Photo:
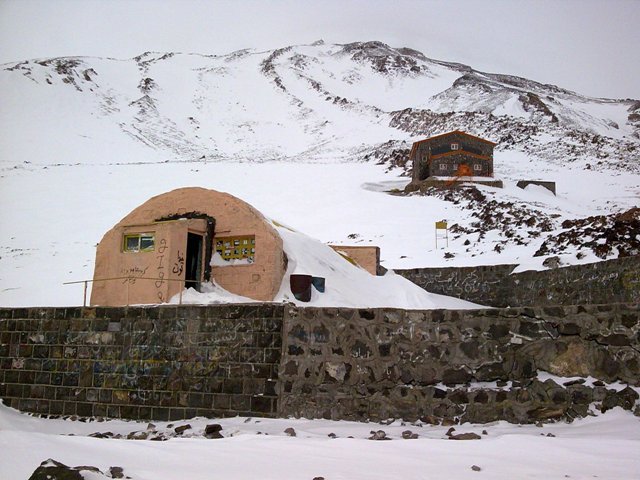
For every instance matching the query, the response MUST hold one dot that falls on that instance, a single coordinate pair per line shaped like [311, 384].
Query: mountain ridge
[328, 102]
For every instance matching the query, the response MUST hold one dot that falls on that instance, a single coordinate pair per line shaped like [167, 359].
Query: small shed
[365, 256]
[452, 154]
[184, 239]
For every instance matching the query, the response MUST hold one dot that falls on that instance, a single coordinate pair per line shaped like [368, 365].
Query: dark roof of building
[453, 132]
[414, 147]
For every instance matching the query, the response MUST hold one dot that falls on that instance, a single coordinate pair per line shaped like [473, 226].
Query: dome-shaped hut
[185, 238]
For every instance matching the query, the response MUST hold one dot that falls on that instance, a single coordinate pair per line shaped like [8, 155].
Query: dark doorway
[193, 273]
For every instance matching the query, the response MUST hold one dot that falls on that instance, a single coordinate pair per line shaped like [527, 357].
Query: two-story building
[452, 154]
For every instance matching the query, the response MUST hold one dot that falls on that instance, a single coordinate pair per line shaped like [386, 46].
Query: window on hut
[138, 242]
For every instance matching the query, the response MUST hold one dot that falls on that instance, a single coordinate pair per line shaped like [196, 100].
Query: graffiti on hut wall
[160, 270]
[178, 265]
[133, 273]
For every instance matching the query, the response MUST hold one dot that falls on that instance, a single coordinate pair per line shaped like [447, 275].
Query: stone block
[12, 376]
[130, 411]
[232, 386]
[160, 414]
[27, 377]
[253, 386]
[262, 404]
[177, 414]
[32, 364]
[14, 390]
[240, 403]
[272, 355]
[69, 408]
[56, 407]
[84, 409]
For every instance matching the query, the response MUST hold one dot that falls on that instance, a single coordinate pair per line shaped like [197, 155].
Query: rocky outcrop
[53, 470]
[604, 235]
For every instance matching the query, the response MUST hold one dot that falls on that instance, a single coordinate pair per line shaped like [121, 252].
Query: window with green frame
[138, 242]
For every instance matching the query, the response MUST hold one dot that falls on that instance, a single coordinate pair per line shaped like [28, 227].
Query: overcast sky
[589, 46]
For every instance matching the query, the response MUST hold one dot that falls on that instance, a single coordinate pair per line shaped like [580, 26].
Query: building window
[138, 242]
[455, 146]
[238, 250]
[443, 166]
[477, 167]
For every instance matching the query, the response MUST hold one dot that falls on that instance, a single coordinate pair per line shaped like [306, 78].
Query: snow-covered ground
[604, 447]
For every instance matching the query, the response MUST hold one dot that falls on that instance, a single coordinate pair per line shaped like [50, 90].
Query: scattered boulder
[465, 436]
[138, 436]
[182, 428]
[475, 468]
[409, 435]
[116, 472]
[578, 381]
[378, 435]
[625, 398]
[430, 419]
[51, 469]
[552, 262]
[290, 431]
[213, 431]
[546, 413]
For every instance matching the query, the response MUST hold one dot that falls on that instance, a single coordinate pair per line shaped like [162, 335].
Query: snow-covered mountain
[313, 136]
[312, 103]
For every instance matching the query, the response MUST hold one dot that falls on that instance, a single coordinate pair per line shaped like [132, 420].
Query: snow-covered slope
[85, 140]
[305, 103]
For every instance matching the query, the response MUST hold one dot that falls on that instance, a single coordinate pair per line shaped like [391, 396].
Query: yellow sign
[442, 225]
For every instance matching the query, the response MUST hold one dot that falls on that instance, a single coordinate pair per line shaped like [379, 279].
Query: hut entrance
[193, 269]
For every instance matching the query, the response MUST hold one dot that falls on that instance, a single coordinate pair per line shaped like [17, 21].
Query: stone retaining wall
[379, 364]
[141, 362]
[611, 281]
[170, 362]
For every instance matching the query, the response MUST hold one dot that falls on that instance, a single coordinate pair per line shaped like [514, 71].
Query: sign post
[442, 225]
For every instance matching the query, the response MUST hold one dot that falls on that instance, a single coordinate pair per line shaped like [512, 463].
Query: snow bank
[346, 285]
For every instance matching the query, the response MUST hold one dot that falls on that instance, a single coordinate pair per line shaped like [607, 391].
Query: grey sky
[584, 45]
